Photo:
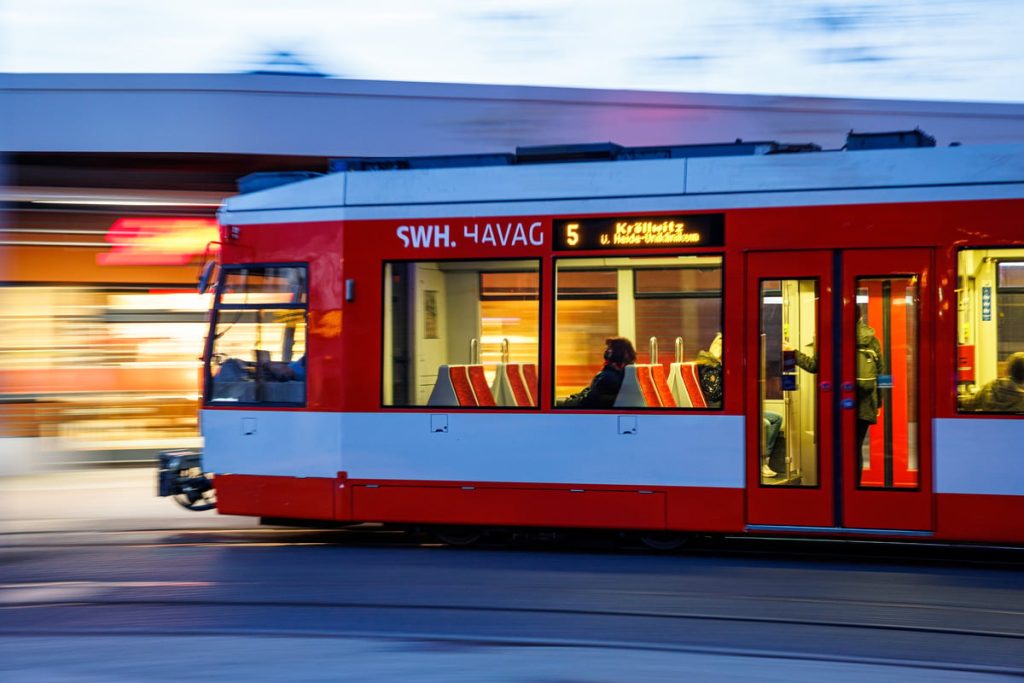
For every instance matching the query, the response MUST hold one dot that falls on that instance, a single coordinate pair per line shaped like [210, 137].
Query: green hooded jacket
[870, 365]
[1001, 395]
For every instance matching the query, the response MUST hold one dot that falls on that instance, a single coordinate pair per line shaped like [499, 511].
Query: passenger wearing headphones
[603, 389]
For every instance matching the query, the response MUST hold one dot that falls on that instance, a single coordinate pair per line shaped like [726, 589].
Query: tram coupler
[181, 475]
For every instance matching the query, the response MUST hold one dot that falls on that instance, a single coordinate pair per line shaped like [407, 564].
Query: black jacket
[603, 389]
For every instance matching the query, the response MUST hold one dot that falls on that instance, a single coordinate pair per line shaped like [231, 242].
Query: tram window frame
[771, 367]
[636, 264]
[219, 306]
[718, 294]
[411, 384]
[970, 315]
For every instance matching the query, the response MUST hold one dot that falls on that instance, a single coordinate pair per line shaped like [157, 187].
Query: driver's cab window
[258, 352]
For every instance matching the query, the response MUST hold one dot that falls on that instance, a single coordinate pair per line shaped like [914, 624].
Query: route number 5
[572, 234]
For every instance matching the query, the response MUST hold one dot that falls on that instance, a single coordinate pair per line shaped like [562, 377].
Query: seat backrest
[630, 395]
[508, 388]
[675, 385]
[530, 379]
[691, 384]
[478, 382]
[452, 387]
[517, 385]
[661, 384]
[443, 393]
[647, 388]
[462, 386]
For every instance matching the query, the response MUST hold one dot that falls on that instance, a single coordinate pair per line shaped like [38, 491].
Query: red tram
[394, 342]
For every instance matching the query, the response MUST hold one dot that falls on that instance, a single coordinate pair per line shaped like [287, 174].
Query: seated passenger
[605, 386]
[709, 368]
[1003, 394]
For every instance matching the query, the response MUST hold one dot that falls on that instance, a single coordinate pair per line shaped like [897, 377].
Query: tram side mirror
[206, 276]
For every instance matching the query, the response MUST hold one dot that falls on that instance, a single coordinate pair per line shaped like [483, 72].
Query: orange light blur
[158, 241]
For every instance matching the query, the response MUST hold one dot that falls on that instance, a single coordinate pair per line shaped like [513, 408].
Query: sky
[905, 49]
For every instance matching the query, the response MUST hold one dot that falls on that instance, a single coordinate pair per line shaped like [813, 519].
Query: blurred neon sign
[159, 241]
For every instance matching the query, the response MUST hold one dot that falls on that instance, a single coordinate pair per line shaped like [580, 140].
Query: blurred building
[109, 186]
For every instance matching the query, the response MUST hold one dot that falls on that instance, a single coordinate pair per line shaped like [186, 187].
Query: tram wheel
[664, 541]
[206, 500]
[457, 535]
[196, 494]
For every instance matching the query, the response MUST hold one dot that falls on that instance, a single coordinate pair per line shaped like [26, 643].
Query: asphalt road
[270, 604]
[100, 581]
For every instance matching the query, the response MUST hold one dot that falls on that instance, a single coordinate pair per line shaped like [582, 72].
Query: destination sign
[640, 232]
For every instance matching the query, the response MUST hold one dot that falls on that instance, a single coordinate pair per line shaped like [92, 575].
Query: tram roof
[367, 187]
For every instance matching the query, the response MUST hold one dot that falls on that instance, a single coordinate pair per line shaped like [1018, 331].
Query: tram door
[838, 428]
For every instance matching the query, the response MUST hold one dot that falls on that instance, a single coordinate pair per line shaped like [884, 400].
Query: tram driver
[604, 388]
[235, 370]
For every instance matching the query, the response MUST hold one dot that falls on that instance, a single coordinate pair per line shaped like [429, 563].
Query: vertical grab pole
[652, 350]
[787, 396]
[679, 349]
[762, 386]
[474, 351]
[762, 380]
[504, 351]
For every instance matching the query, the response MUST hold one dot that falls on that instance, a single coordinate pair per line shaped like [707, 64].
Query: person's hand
[786, 346]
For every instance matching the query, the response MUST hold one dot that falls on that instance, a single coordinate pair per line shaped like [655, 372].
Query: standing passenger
[870, 365]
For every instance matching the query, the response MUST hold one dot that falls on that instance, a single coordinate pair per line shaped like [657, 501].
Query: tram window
[788, 395]
[886, 359]
[461, 333]
[259, 344]
[990, 333]
[669, 308]
[263, 285]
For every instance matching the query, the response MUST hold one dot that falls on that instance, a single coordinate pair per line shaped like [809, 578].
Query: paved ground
[107, 499]
[100, 580]
[102, 659]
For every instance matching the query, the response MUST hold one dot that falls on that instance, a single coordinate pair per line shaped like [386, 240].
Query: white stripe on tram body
[665, 450]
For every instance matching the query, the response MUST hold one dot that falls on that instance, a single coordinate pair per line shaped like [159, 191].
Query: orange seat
[661, 384]
[530, 378]
[640, 388]
[650, 393]
[520, 394]
[462, 386]
[478, 382]
[691, 384]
